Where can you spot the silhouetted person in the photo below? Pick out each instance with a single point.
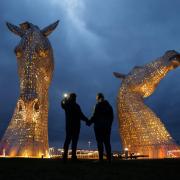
(73, 115)
(102, 119)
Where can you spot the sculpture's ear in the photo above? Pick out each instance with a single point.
(49, 29)
(119, 75)
(15, 29)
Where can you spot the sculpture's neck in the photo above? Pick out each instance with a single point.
(131, 101)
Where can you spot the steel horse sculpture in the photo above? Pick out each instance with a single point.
(141, 130)
(27, 133)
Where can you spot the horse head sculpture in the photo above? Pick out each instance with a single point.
(140, 129)
(27, 133)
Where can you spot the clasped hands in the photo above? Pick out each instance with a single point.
(88, 122)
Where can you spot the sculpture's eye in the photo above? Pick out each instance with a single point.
(18, 52)
(174, 57)
(43, 53)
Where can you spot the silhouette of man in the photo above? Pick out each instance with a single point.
(102, 119)
(73, 115)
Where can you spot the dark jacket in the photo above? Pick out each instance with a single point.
(103, 115)
(73, 113)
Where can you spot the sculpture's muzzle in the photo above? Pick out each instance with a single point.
(175, 60)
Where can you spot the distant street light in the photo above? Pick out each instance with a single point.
(126, 152)
(126, 149)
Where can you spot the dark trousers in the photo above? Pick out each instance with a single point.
(103, 138)
(72, 135)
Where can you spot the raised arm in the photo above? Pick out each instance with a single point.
(64, 103)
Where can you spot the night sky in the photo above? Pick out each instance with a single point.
(94, 38)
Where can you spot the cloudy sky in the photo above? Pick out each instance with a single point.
(94, 38)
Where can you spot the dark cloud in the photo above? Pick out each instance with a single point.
(94, 39)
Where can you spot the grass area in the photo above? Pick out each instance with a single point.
(50, 169)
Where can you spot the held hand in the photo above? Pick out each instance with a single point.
(88, 123)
